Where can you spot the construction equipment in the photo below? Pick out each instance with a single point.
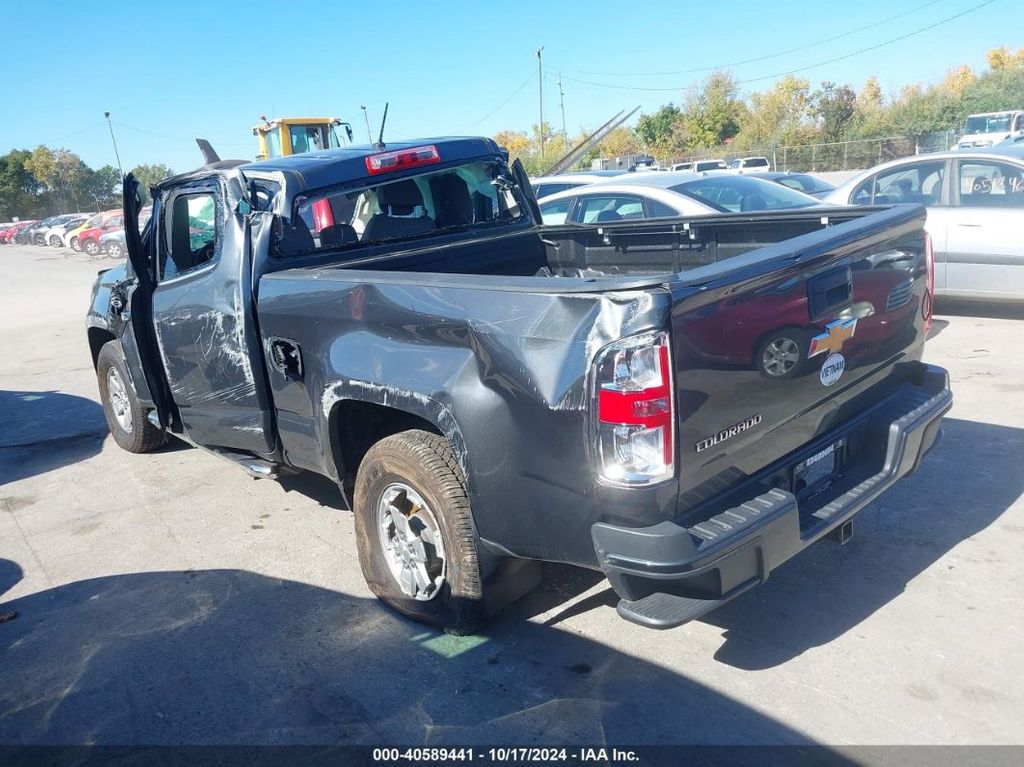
(294, 135)
(573, 155)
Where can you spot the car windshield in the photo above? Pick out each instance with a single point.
(472, 196)
(987, 123)
(739, 194)
(804, 183)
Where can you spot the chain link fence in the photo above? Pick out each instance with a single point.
(857, 154)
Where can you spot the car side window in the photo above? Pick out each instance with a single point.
(991, 184)
(556, 212)
(192, 234)
(608, 208)
(917, 182)
(657, 209)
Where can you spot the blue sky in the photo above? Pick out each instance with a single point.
(171, 70)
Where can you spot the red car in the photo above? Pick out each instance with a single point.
(89, 239)
(7, 235)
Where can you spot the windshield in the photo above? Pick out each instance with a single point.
(740, 194)
(988, 123)
(472, 196)
(803, 183)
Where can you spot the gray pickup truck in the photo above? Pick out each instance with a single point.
(683, 404)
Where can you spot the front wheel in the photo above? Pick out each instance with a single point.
(125, 415)
(55, 241)
(74, 244)
(91, 247)
(418, 548)
(114, 250)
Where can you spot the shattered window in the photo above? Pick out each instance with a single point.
(471, 196)
(193, 234)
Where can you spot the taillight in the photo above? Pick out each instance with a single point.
(927, 303)
(401, 159)
(634, 440)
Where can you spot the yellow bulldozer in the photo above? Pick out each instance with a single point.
(293, 135)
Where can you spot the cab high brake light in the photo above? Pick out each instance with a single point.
(402, 159)
(634, 426)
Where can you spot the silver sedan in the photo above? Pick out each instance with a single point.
(975, 202)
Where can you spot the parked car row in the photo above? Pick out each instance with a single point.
(974, 199)
(84, 232)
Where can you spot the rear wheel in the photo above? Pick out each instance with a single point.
(418, 549)
(114, 250)
(125, 415)
(782, 354)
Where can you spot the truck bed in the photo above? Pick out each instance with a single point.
(501, 363)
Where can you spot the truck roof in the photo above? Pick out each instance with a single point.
(330, 167)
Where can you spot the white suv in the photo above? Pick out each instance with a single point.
(750, 165)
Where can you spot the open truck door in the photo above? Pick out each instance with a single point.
(133, 303)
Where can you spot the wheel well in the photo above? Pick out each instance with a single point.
(98, 337)
(357, 426)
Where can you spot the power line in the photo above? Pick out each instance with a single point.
(775, 55)
(833, 60)
(515, 93)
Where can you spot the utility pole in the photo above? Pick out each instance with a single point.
(540, 95)
(114, 141)
(561, 103)
(369, 136)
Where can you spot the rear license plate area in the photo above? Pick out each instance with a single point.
(816, 473)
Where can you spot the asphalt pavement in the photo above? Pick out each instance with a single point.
(170, 598)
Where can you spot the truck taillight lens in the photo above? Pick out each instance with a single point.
(635, 438)
(402, 159)
(928, 302)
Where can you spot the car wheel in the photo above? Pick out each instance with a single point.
(114, 250)
(38, 240)
(125, 415)
(91, 247)
(418, 548)
(55, 241)
(783, 354)
(74, 244)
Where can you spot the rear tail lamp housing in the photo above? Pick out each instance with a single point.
(928, 302)
(634, 412)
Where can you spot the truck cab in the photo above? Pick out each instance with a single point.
(989, 128)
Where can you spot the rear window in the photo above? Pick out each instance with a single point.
(741, 194)
(543, 190)
(755, 162)
(471, 196)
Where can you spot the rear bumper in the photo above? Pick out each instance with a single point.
(669, 573)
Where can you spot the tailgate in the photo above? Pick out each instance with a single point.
(792, 340)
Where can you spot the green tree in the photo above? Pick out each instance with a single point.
(21, 194)
(779, 116)
(713, 111)
(150, 175)
(657, 128)
(834, 107)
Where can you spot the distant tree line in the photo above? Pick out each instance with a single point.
(715, 117)
(44, 182)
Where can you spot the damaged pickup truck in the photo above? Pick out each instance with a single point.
(683, 404)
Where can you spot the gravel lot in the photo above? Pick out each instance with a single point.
(169, 598)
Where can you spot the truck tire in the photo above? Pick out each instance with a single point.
(126, 418)
(409, 495)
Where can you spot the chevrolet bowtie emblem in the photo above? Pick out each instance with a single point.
(832, 339)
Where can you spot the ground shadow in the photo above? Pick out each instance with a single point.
(962, 307)
(962, 487)
(229, 656)
(45, 430)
